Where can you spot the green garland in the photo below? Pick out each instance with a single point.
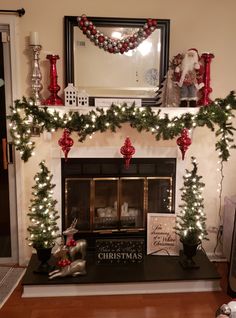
(26, 115)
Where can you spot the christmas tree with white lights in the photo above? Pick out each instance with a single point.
(190, 224)
(43, 229)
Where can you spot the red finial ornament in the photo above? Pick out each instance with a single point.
(127, 151)
(66, 142)
(184, 141)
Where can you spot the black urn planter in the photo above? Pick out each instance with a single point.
(189, 251)
(44, 255)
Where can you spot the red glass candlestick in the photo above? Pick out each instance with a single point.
(54, 88)
(206, 90)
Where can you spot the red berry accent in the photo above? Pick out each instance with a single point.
(81, 23)
(71, 243)
(94, 31)
(84, 29)
(111, 50)
(125, 45)
(61, 263)
(90, 27)
(122, 50)
(131, 39)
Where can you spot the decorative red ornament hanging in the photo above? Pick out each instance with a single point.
(184, 141)
(66, 142)
(127, 151)
(112, 45)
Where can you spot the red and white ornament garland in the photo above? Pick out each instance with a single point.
(115, 45)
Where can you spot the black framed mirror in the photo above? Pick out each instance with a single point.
(136, 75)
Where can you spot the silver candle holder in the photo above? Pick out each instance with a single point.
(36, 75)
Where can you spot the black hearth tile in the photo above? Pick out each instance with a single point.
(153, 268)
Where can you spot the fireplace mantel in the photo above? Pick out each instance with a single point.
(171, 111)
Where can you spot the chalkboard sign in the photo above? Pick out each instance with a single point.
(119, 251)
(232, 268)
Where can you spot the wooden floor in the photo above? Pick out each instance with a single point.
(183, 305)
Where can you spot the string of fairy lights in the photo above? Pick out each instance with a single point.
(42, 213)
(191, 225)
(216, 116)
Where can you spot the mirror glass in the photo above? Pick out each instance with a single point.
(137, 73)
(134, 73)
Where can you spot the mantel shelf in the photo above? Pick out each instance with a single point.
(171, 111)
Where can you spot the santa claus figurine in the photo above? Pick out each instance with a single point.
(188, 75)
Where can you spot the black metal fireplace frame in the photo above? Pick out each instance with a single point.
(94, 168)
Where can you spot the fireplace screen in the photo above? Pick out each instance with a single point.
(105, 204)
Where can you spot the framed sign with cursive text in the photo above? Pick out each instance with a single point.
(161, 237)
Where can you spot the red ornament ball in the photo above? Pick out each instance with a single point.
(101, 39)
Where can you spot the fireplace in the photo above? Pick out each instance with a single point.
(111, 201)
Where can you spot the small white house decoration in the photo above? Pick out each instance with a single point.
(83, 98)
(70, 93)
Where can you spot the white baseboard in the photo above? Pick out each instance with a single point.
(63, 290)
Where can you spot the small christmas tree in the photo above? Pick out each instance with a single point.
(191, 226)
(43, 216)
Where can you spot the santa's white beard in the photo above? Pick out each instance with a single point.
(187, 65)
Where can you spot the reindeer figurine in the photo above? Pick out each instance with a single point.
(79, 246)
(67, 255)
(73, 269)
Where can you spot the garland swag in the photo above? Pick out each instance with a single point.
(25, 115)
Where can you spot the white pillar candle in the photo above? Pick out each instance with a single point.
(34, 38)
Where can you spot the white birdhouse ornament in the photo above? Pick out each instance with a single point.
(83, 98)
(71, 93)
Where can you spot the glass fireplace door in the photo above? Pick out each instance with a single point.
(116, 204)
(77, 202)
(106, 198)
(132, 209)
(160, 199)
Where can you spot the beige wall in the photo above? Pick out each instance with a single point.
(207, 25)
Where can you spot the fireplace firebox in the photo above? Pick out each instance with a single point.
(111, 201)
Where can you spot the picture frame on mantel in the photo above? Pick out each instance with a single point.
(79, 66)
(161, 236)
